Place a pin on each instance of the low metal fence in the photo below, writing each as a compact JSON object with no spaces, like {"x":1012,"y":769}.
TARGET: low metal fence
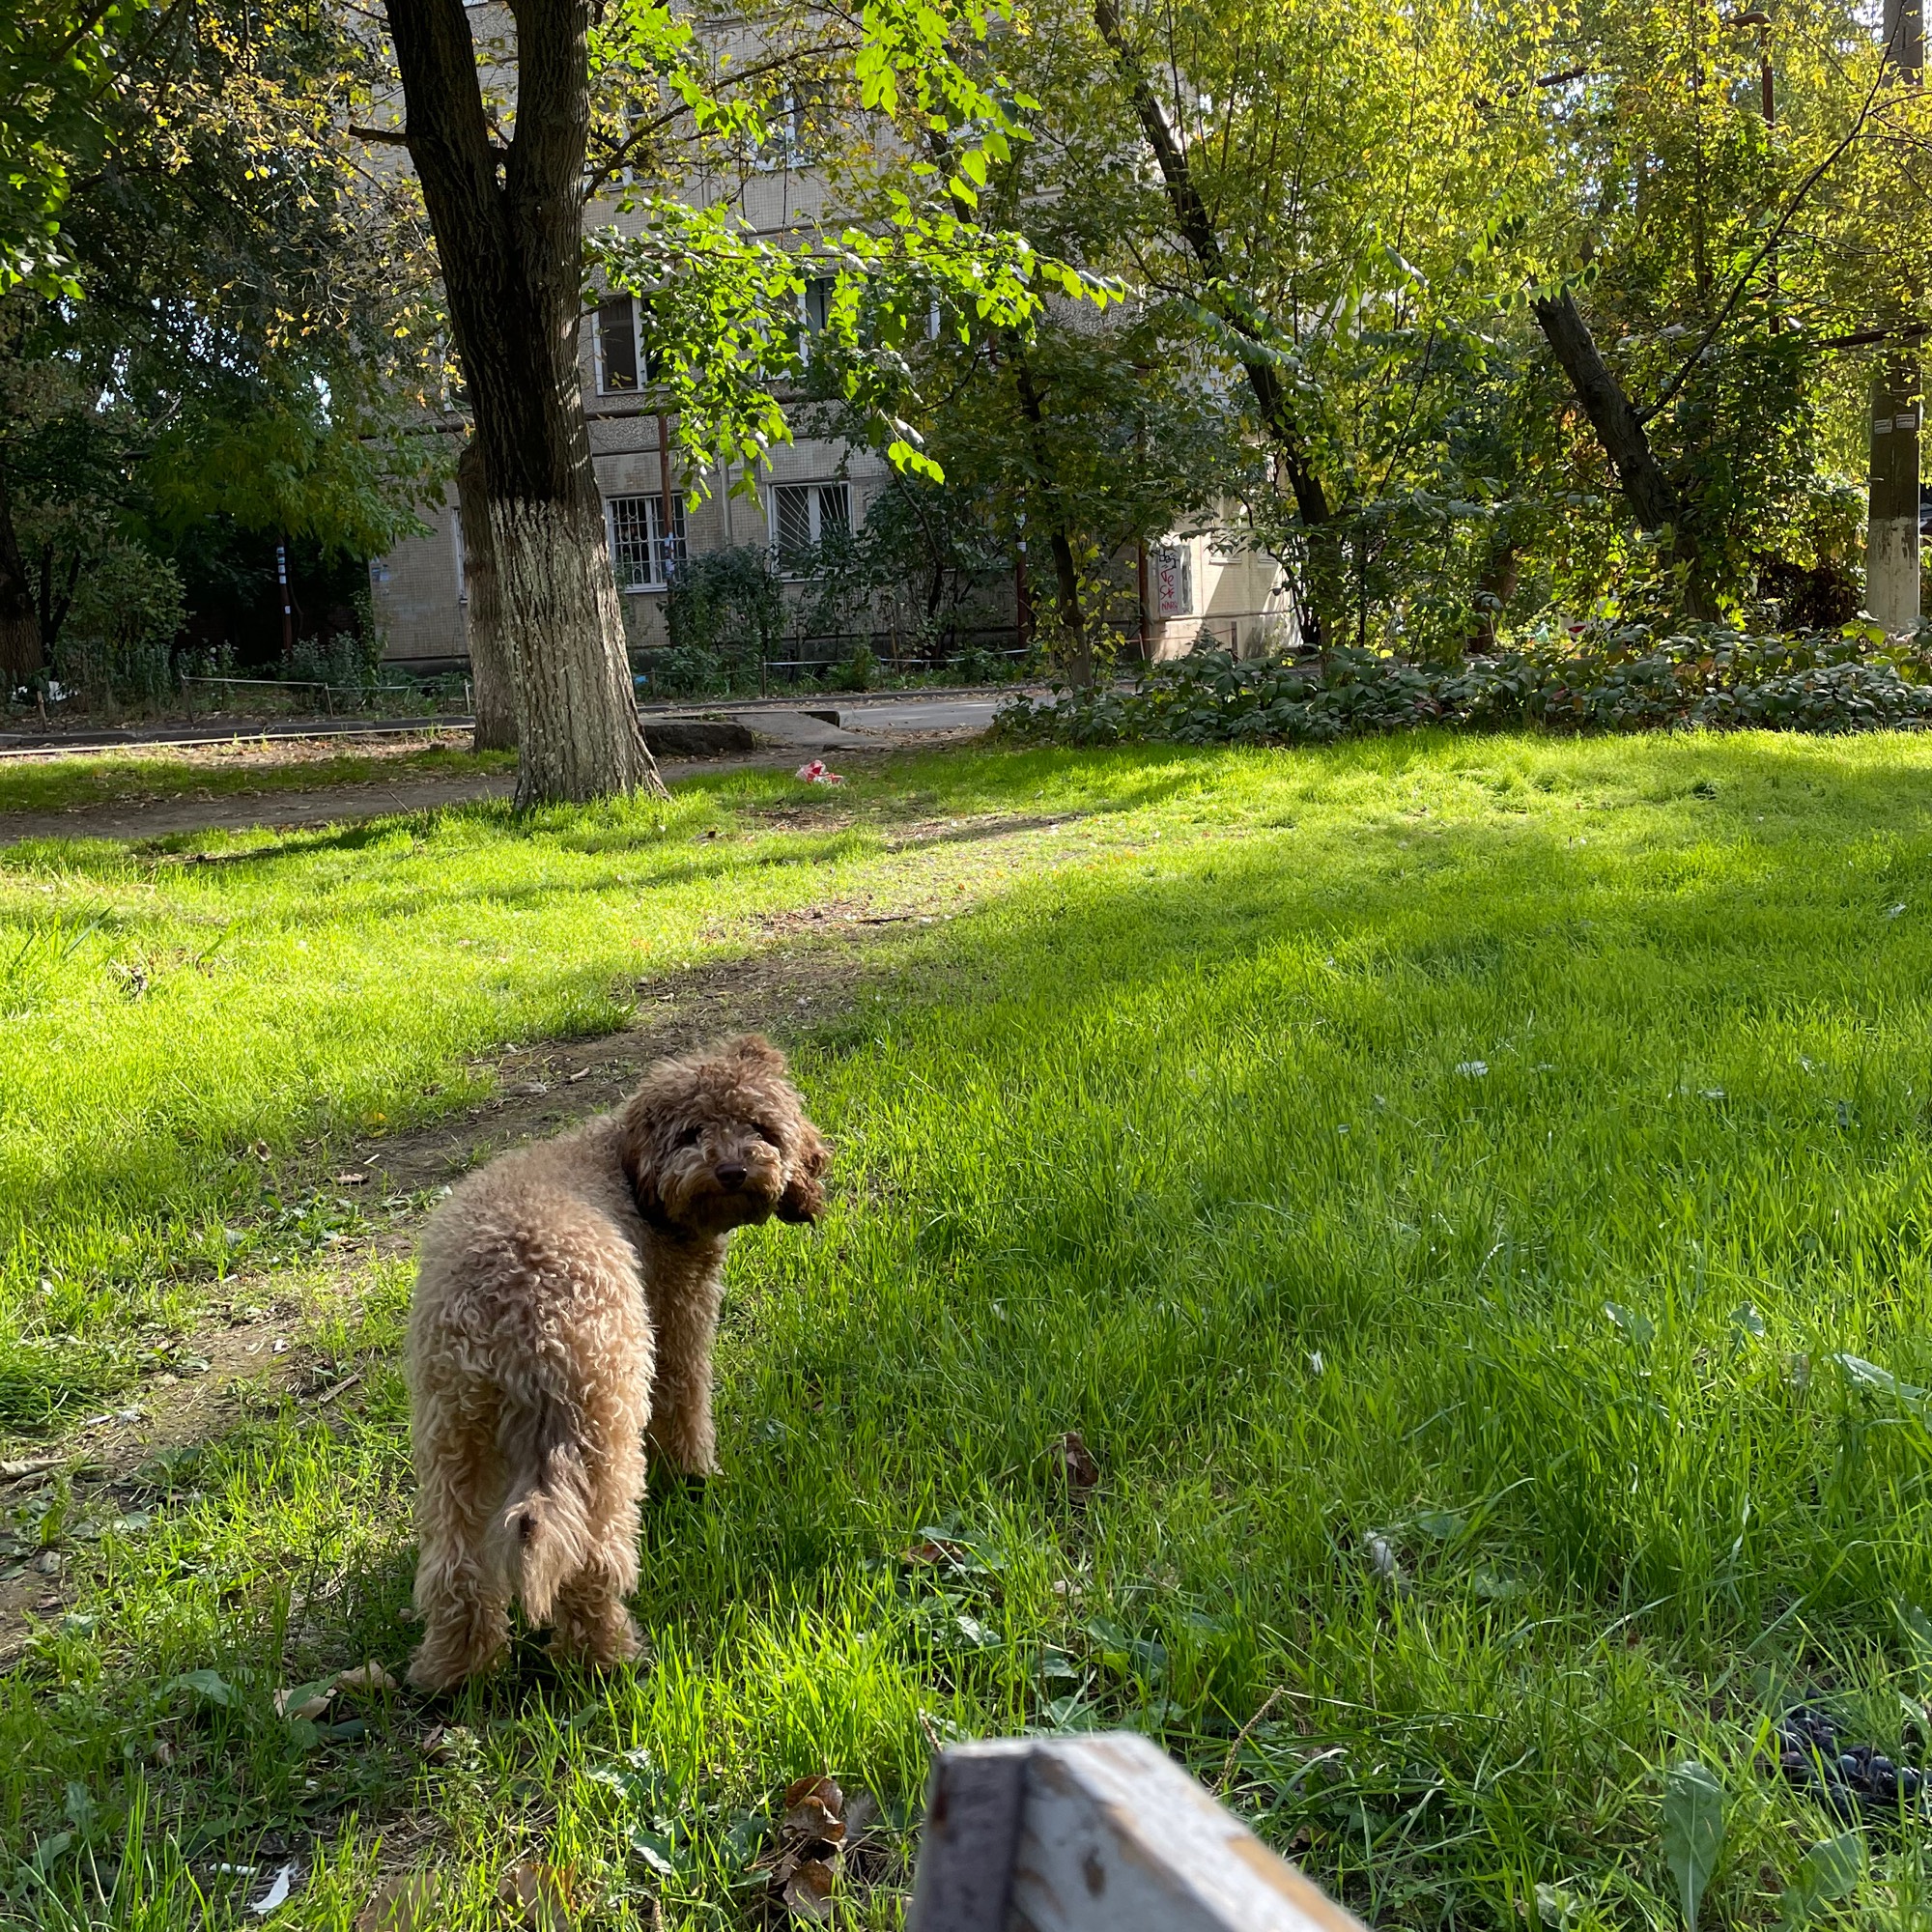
{"x":335,"y":700}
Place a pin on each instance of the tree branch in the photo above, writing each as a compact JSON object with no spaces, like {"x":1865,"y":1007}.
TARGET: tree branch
{"x":1771,"y":242}
{"x":619,"y":156}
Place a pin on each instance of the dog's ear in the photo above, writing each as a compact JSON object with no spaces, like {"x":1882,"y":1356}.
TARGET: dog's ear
{"x":804,"y":1198}
{"x":755,"y":1053}
{"x":639,"y":1158}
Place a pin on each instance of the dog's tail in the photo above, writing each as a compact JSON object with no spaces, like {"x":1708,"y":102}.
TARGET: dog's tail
{"x":548,"y":1514}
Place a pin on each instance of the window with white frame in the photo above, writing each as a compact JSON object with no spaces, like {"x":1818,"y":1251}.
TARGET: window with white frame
{"x":639,"y":554}
{"x":804,"y":515}
{"x":624,"y":360}
{"x":815,"y":310}
{"x":792,"y":120}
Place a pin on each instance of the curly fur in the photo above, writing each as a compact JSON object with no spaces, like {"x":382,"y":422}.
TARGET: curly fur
{"x":563,"y":1317}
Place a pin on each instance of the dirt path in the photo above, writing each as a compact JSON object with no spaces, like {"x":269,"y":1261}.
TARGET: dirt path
{"x":252,"y":1354}
{"x":325,"y":804}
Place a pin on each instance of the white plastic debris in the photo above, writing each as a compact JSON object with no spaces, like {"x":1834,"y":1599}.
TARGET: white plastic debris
{"x":277,"y":1893}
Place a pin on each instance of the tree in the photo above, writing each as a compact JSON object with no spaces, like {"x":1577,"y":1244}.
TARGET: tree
{"x":506,"y":213}
{"x":1724,"y":197}
{"x":491,"y":682}
{"x":236,"y":336}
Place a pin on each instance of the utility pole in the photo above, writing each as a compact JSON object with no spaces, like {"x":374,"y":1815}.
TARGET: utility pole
{"x":288,"y":604}
{"x":1891,"y":527}
{"x":666,"y":550}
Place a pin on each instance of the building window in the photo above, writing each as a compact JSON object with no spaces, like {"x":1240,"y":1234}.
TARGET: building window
{"x":804,"y":515}
{"x":624,"y":361}
{"x":791,"y":122}
{"x":1172,"y":566}
{"x":640,"y":555}
{"x":815,"y":310}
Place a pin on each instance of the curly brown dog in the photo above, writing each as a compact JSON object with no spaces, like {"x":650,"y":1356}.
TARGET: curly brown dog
{"x":564,"y":1312}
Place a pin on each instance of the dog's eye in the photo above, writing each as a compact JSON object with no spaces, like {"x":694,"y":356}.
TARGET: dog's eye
{"x":769,"y":1135}
{"x":690,"y":1137}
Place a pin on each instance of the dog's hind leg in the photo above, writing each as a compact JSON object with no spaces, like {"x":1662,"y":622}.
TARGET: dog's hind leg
{"x":591,"y":1619}
{"x":461,"y":1590}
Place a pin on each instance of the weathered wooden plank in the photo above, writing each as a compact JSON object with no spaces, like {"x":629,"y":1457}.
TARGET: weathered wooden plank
{"x":972,"y":1833}
{"x":1099,"y":1833}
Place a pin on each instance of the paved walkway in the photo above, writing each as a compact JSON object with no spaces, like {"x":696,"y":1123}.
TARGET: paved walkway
{"x":783,"y":719}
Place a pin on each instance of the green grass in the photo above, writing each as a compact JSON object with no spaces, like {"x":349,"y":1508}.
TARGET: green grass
{"x":1469,"y":1154}
{"x":59,"y":784}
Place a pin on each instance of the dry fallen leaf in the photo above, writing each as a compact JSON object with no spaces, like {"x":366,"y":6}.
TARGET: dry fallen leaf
{"x":808,"y":1893}
{"x":364,"y":1677}
{"x":304,"y":1700}
{"x":541,"y":1896}
{"x":1075,"y":1462}
{"x":407,"y":1903}
{"x":810,"y":1818}
{"x":930,"y":1550}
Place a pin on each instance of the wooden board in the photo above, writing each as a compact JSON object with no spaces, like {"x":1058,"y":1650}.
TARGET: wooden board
{"x":1096,"y":1833}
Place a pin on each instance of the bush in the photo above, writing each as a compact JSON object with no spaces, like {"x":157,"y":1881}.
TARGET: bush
{"x":346,"y":663}
{"x":1621,"y":677}
{"x":860,"y":671}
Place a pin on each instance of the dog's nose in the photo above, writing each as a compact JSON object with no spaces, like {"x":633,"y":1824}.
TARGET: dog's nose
{"x":731,"y":1176}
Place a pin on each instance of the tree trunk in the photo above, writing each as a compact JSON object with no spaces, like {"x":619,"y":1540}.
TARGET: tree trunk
{"x":506,"y":221}
{"x":1327,"y":578}
{"x":492,"y":681}
{"x":1073,"y":639}
{"x":21,"y":656}
{"x":1650,"y":495}
{"x":1493,"y":590}
{"x":1075,"y":648}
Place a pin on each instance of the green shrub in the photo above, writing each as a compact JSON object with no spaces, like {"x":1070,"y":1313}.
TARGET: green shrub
{"x":860,"y":671}
{"x":1621,"y":677}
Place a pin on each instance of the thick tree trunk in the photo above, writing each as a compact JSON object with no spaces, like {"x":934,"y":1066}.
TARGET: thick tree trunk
{"x":21,"y":656}
{"x":507,"y":233}
{"x":1650,"y":495}
{"x":1326,"y":576}
{"x":559,"y":598}
{"x":493,"y":681}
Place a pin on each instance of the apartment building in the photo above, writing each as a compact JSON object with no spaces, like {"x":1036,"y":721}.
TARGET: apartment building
{"x":1180,"y":588}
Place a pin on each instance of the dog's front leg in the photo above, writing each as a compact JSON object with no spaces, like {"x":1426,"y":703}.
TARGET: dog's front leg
{"x":684,"y":1288}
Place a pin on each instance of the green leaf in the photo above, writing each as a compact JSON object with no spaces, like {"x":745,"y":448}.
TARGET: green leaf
{"x":49,"y":1848}
{"x":1636,"y":1327}
{"x":1694,"y":1831}
{"x":208,"y":1684}
{"x":1871,"y":1376}
{"x":1831,"y":1869}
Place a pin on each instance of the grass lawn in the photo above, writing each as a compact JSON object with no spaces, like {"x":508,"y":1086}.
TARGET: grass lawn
{"x":222,"y":771}
{"x":1471,"y":1196}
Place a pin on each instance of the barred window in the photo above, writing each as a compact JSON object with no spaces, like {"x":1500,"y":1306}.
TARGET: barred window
{"x":640,"y":555}
{"x":804,"y":514}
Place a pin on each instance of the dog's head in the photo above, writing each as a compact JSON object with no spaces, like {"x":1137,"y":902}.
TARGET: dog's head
{"x":719,"y":1139}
